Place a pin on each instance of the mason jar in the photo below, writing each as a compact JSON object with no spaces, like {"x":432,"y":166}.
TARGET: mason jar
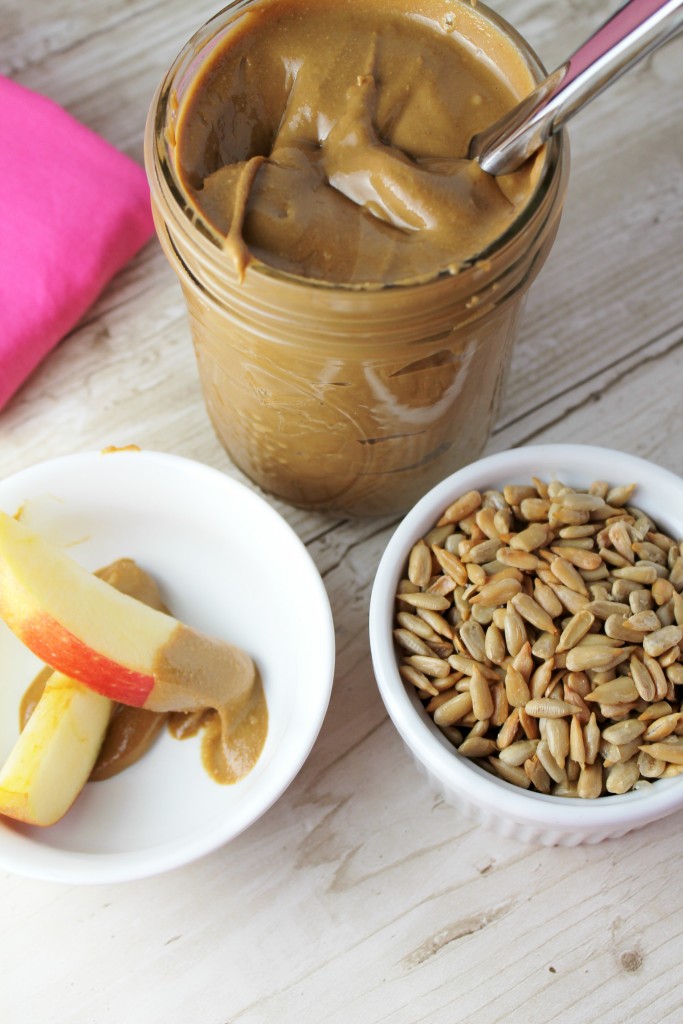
{"x":339,"y":398}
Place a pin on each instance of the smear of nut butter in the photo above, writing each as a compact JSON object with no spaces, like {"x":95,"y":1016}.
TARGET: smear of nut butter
{"x":232,"y":737}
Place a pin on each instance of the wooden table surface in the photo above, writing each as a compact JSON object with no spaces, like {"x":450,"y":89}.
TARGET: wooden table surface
{"x":360,"y":897}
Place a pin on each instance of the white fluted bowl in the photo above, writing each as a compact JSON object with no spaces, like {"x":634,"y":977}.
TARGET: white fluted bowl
{"x":508,"y":810}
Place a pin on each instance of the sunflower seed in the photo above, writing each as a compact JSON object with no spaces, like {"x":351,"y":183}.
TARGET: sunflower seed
{"x":420,"y":564}
{"x":622,"y":777}
{"x":567,"y":516}
{"x":508,"y":730}
{"x":417,"y":625}
{"x":482,"y":701}
{"x":533,"y":613}
{"x":645,"y":621}
{"x":454,"y":709}
{"x":589,"y":786}
{"x":497,"y":593}
{"x":544,"y":596}
{"x":523,"y":560}
{"x":545,"y":646}
{"x":674,"y":674}
{"x":576,"y":628}
{"x":621,"y":495}
{"x":650,"y":767}
{"x":485,"y":519}
{"x":429,"y":665}
{"x":623,"y":732}
{"x":534,"y":509}
{"x":515,"y":631}
{"x":582,"y":501}
{"x":665,"y":614}
{"x":669,"y":752}
{"x":557,"y":738}
{"x":476,"y":746}
{"x":519,"y":752}
{"x":473,"y":637}
{"x":537,"y":775}
{"x":494,"y":645}
{"x":621,"y":690}
{"x":435,"y":602}
{"x":482,"y":552}
{"x":621,"y":589}
{"x":515,"y":494}
{"x":649,"y":552}
{"x":577,"y":746}
{"x":603,"y":609}
{"x":548,"y":707}
{"x":676,"y":575}
{"x":642,"y":679}
{"x":516,"y":687}
{"x":579,"y":557}
{"x":451,"y":565}
{"x":568,"y":576}
{"x":418,"y":679}
{"x":523,"y":660}
{"x":409,"y":642}
{"x":461,"y":508}
{"x":661,"y":727}
{"x":617,"y":629}
{"x":441,"y":586}
{"x":571,"y":599}
{"x":436,"y":622}
{"x":511,"y":773}
{"x":533,"y":537}
{"x":553,"y":769}
{"x":540,"y":679}
{"x":660,"y":641}
{"x":637,"y":573}
{"x":595,"y":656}
{"x":461,"y":663}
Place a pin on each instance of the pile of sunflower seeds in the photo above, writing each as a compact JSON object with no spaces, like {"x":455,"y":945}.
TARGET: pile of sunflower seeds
{"x":543,"y":628}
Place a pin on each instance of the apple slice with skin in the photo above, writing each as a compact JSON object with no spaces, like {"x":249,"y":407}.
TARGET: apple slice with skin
{"x":55,"y":752}
{"x":114,"y":644}
{"x":62,"y":739}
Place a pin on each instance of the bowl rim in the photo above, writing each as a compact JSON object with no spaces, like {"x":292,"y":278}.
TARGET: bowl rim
{"x":420,"y":735}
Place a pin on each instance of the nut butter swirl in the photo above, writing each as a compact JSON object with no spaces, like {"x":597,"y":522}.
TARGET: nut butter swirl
{"x":328,"y":138}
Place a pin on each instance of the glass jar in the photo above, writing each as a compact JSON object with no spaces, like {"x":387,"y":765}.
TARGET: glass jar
{"x":335,"y":397}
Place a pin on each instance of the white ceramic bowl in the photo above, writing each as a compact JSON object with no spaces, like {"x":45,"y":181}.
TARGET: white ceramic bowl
{"x":228,"y":564}
{"x":524,"y":815}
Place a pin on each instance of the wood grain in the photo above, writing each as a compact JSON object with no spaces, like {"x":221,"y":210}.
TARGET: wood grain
{"x":361,"y":898}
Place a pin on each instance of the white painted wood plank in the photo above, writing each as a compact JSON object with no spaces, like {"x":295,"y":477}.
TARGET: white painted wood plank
{"x":360,"y":897}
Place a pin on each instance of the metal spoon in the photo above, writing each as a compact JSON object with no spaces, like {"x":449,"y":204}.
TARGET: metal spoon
{"x":637,"y":29}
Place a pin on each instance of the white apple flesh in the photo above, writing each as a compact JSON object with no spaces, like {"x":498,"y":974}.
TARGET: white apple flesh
{"x":55,"y":752}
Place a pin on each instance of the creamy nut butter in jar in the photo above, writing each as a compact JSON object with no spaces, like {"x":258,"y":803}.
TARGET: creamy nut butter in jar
{"x":353,"y":282}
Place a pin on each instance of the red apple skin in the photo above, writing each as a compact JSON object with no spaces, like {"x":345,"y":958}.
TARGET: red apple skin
{"x":55,"y":645}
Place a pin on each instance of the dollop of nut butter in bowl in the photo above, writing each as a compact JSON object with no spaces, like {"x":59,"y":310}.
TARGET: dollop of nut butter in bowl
{"x":538,"y":622}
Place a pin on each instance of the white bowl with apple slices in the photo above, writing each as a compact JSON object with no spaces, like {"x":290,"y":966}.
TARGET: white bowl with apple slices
{"x":228,"y":565}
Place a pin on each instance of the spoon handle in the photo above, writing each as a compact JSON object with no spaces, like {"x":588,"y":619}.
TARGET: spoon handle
{"x":633,"y":32}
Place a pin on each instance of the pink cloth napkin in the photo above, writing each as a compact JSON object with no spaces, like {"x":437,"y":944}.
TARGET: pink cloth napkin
{"x":73,"y":211}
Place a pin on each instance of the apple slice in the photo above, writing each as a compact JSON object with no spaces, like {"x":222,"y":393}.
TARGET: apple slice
{"x":55,"y":752}
{"x":114,"y":644}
